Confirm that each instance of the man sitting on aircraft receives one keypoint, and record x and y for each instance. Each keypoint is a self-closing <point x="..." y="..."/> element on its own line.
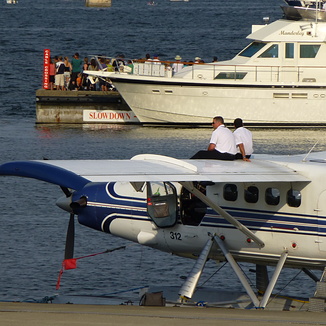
<point x="222" y="144"/>
<point x="243" y="140"/>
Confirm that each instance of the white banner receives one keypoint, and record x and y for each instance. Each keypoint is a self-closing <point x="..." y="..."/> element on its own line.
<point x="109" y="116"/>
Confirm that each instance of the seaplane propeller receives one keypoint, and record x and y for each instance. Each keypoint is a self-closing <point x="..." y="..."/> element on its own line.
<point x="70" y="238"/>
<point x="67" y="204"/>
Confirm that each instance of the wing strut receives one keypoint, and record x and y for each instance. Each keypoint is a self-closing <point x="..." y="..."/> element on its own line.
<point x="238" y="271"/>
<point x="274" y="279"/>
<point x="190" y="187"/>
<point x="188" y="288"/>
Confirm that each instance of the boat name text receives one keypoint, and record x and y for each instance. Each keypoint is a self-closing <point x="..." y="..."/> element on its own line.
<point x="296" y="33"/>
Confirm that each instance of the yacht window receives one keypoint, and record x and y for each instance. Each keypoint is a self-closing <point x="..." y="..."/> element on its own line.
<point x="308" y="51"/>
<point x="230" y="192"/>
<point x="231" y="75"/>
<point x="289" y="50"/>
<point x="252" y="49"/>
<point x="251" y="194"/>
<point x="293" y="198"/>
<point x="271" y="52"/>
<point x="272" y="196"/>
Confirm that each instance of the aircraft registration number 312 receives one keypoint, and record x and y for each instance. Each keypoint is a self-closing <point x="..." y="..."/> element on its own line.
<point x="175" y="236"/>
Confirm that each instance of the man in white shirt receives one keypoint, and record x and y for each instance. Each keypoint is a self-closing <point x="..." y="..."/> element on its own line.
<point x="243" y="140"/>
<point x="222" y="144"/>
<point x="177" y="66"/>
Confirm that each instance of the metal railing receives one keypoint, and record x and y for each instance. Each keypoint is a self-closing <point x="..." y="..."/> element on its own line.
<point x="217" y="71"/>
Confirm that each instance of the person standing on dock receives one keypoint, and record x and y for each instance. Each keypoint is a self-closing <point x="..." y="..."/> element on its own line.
<point x="52" y="73"/>
<point x="67" y="72"/>
<point x="59" y="75"/>
<point x="76" y="64"/>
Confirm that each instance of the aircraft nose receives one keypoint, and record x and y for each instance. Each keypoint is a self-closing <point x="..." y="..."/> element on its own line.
<point x="64" y="203"/>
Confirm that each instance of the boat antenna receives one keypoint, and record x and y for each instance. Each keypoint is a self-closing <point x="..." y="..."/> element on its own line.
<point x="305" y="158"/>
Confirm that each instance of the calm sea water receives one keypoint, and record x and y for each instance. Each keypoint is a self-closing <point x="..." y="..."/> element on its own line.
<point x="32" y="232"/>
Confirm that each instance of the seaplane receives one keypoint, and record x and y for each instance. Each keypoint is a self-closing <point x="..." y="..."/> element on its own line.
<point x="269" y="212"/>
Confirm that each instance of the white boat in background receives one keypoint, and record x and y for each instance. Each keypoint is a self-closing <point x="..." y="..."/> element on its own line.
<point x="306" y="3"/>
<point x="279" y="79"/>
<point x="12" y="1"/>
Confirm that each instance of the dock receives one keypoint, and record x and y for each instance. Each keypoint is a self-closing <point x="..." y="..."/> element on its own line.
<point x="60" y="107"/>
<point x="30" y="314"/>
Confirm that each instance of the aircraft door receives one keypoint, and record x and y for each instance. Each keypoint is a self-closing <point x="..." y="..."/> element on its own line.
<point x="162" y="203"/>
<point x="321" y="206"/>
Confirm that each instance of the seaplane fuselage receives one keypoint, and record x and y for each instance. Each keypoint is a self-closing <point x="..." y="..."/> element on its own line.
<point x="286" y="215"/>
<point x="270" y="211"/>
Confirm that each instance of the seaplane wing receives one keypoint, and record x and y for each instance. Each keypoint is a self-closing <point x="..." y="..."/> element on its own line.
<point x="149" y="167"/>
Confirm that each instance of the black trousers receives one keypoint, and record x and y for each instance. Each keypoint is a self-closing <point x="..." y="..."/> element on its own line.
<point x="213" y="155"/>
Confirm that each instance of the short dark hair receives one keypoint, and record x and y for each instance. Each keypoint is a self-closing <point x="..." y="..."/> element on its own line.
<point x="219" y="119"/>
<point x="238" y="122"/>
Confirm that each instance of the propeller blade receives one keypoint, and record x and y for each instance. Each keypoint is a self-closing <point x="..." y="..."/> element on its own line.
<point x="70" y="238"/>
<point x="66" y="191"/>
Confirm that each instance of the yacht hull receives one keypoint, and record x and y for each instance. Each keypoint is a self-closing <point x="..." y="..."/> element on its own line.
<point x="181" y="102"/>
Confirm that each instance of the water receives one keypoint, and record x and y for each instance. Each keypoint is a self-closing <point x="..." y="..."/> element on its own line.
<point x="32" y="232"/>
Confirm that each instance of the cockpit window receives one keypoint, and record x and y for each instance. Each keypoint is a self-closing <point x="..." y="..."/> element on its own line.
<point x="252" y="49"/>
<point x="308" y="50"/>
<point x="271" y="52"/>
<point x="162" y="203"/>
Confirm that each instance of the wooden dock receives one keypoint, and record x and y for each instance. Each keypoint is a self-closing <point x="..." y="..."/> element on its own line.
<point x="82" y="107"/>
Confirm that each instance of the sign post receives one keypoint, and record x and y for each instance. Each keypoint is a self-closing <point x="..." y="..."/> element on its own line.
<point x="46" y="68"/>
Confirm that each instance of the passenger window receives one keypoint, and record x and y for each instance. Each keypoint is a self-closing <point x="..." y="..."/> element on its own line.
<point x="231" y="75"/>
<point x="289" y="50"/>
<point x="252" y="49"/>
<point x="308" y="51"/>
<point x="271" y="52"/>
<point x="272" y="196"/>
<point x="293" y="198"/>
<point x="251" y="194"/>
<point x="230" y="192"/>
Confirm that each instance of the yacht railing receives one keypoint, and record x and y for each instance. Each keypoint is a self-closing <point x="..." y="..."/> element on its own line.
<point x="217" y="71"/>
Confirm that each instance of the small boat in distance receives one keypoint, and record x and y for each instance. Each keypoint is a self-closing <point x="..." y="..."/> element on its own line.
<point x="151" y="3"/>
<point x="12" y="1"/>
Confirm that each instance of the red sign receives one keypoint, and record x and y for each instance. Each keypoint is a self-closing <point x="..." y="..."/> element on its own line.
<point x="46" y="68"/>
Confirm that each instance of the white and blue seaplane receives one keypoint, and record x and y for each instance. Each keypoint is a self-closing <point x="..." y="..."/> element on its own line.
<point x="270" y="211"/>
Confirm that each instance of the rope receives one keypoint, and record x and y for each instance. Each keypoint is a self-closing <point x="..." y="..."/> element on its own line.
<point x="72" y="262"/>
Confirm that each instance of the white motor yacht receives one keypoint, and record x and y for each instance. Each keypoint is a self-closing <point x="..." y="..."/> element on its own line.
<point x="279" y="79"/>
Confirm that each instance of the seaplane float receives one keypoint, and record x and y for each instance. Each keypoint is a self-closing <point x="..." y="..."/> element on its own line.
<point x="278" y="79"/>
<point x="270" y="211"/>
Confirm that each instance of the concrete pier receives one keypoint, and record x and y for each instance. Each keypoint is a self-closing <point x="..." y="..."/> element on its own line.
<point x="98" y="3"/>
<point x="82" y="107"/>
<point x="31" y="314"/>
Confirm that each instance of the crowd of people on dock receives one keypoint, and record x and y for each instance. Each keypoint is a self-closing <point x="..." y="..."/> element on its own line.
<point x="68" y="74"/>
